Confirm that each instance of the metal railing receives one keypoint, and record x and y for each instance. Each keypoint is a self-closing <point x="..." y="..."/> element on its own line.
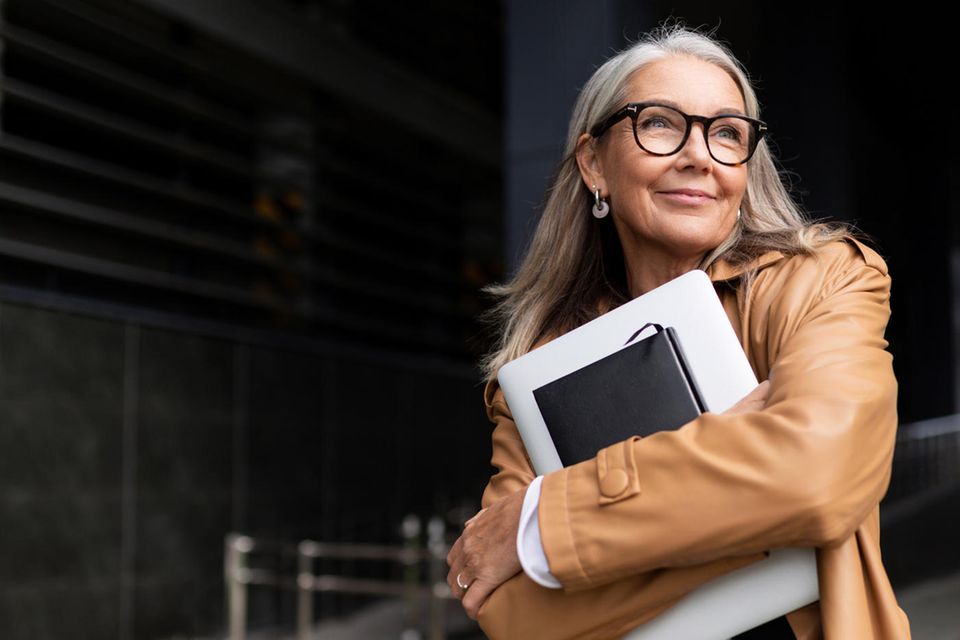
<point x="926" y="459"/>
<point x="413" y="588"/>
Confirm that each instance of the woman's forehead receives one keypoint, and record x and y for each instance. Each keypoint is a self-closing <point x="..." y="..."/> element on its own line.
<point x="688" y="83"/>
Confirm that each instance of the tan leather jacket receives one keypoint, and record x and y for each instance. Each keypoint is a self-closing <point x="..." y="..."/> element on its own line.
<point x="649" y="519"/>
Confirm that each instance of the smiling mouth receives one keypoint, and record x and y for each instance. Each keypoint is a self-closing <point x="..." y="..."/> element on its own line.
<point x="685" y="198"/>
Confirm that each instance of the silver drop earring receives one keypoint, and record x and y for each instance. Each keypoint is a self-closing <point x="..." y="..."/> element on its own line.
<point x="600" y="207"/>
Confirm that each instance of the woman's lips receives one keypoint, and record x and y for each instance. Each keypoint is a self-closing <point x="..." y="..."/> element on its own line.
<point x="685" y="198"/>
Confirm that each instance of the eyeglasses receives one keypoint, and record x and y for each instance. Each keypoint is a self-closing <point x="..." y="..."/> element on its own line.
<point x="662" y="131"/>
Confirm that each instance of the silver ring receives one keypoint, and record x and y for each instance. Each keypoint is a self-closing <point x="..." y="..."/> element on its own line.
<point x="461" y="585"/>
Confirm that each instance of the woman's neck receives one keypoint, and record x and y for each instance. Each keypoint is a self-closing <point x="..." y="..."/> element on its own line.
<point x="649" y="270"/>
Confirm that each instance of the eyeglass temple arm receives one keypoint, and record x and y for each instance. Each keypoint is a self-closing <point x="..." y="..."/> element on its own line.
<point x="601" y="128"/>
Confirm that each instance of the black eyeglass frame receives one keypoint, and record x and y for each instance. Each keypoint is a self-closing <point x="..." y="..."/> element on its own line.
<point x="632" y="110"/>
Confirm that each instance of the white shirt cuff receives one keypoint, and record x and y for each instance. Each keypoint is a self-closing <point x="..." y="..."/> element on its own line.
<point x="529" y="546"/>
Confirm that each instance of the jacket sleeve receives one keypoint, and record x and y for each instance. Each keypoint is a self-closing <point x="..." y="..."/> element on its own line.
<point x="805" y="471"/>
<point x="514" y="470"/>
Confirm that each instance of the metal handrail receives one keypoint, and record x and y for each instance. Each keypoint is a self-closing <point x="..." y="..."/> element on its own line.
<point x="239" y="576"/>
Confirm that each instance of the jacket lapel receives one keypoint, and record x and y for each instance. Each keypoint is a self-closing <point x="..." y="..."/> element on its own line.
<point x="722" y="270"/>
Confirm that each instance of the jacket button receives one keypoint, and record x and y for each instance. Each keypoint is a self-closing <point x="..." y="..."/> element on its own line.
<point x="614" y="483"/>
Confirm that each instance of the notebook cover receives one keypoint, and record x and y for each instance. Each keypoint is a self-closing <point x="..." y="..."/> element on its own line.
<point x="638" y="390"/>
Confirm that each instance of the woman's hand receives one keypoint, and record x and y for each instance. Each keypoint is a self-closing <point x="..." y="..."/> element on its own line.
<point x="753" y="401"/>
<point x="485" y="554"/>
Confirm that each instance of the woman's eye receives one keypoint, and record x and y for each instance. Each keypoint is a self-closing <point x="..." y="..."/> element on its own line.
<point x="728" y="132"/>
<point x="654" y="123"/>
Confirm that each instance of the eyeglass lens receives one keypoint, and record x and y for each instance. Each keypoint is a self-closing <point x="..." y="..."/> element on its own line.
<point x="661" y="130"/>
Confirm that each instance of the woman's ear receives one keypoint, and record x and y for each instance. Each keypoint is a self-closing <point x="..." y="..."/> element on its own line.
<point x="588" y="161"/>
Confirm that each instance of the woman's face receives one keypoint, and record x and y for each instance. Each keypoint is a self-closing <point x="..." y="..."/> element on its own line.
<point x="648" y="217"/>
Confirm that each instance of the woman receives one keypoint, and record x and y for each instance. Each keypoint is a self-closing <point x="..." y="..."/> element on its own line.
<point x="802" y="461"/>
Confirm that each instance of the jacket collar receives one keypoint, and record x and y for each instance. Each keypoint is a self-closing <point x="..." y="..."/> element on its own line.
<point x="721" y="269"/>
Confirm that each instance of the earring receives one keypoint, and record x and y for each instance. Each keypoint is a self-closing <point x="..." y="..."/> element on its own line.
<point x="738" y="215"/>
<point x="600" y="207"/>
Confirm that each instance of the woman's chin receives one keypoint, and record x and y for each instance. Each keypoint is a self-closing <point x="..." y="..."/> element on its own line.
<point x="693" y="239"/>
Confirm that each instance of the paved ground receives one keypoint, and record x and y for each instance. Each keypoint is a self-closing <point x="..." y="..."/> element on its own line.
<point x="382" y="621"/>
<point x="933" y="608"/>
<point x="386" y="620"/>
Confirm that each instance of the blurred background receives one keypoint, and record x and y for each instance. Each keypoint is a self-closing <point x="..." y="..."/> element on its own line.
<point x="241" y="250"/>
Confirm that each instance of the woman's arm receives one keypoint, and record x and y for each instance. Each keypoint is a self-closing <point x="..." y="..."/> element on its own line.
<point x="514" y="470"/>
<point x="803" y="472"/>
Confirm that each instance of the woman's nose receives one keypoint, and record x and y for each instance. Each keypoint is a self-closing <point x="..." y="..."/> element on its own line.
<point x="695" y="150"/>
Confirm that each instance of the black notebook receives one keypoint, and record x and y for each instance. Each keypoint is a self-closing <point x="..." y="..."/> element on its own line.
<point x="638" y="390"/>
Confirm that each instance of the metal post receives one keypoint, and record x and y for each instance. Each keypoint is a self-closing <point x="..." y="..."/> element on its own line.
<point x="439" y="590"/>
<point x="306" y="551"/>
<point x="235" y="574"/>
<point x="410" y="530"/>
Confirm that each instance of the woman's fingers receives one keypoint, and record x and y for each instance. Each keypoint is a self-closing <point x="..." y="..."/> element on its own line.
<point x="459" y="581"/>
<point x="485" y="554"/>
<point x="455" y="551"/>
<point x="457" y="577"/>
<point x="455" y="561"/>
<point x="476" y="595"/>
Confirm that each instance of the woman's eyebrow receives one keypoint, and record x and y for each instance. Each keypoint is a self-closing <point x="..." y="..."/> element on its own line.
<point x="671" y="103"/>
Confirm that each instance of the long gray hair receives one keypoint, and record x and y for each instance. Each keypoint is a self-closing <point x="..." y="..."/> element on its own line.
<point x="574" y="267"/>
